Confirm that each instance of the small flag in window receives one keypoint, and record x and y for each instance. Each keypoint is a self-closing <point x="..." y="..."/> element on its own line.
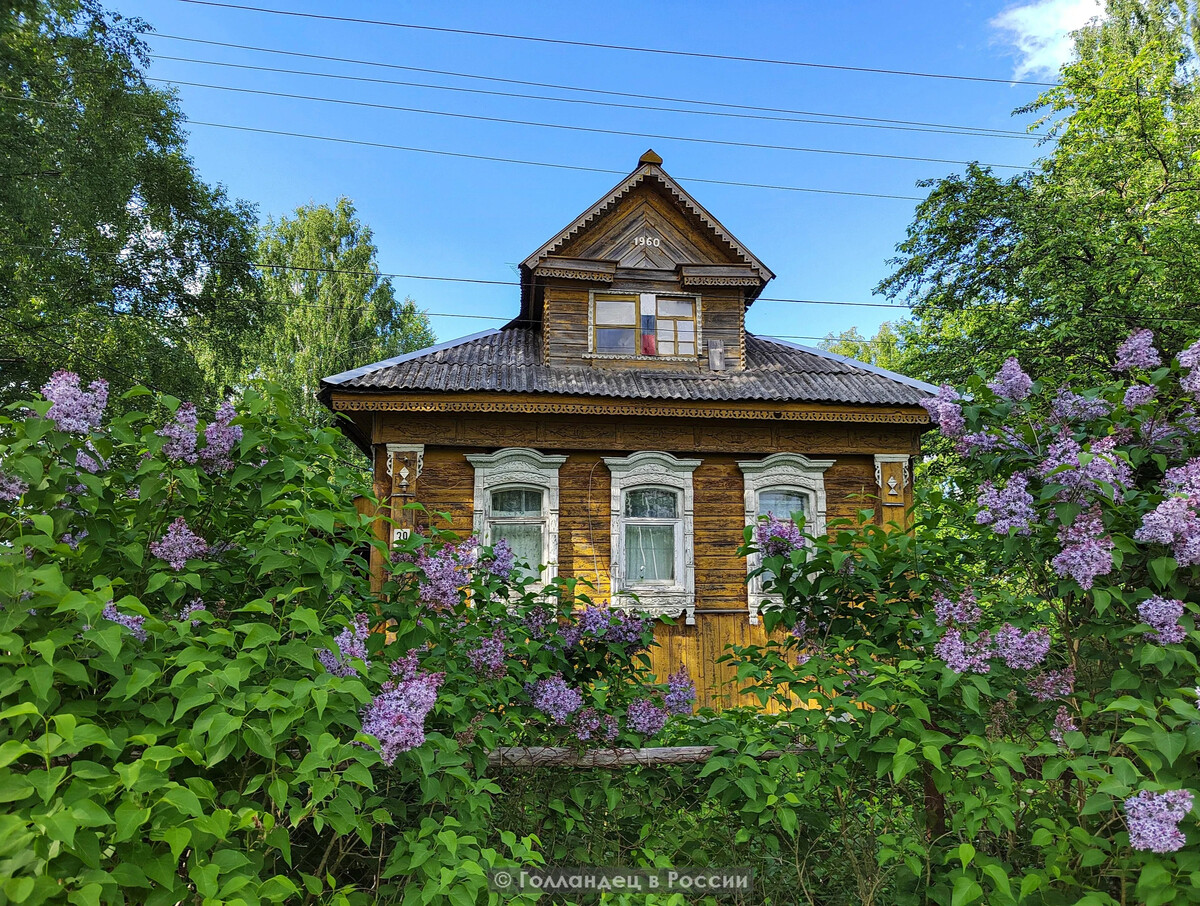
<point x="649" y="342"/>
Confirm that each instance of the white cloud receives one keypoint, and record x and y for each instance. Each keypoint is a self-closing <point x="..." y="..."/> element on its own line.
<point x="1040" y="33"/>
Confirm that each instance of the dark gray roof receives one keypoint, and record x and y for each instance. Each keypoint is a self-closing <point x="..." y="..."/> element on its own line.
<point x="509" y="361"/>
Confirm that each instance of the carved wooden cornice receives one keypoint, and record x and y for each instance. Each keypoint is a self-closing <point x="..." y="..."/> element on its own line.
<point x="577" y="269"/>
<point x="351" y="404"/>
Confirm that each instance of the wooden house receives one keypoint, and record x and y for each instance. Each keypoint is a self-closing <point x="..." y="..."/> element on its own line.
<point x="625" y="427"/>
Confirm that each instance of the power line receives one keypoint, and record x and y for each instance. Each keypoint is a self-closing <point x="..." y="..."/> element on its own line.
<point x="808" y="118"/>
<point x="494" y="159"/>
<point x="534" y="163"/>
<point x="595" y="130"/>
<point x="625" y="47"/>
<point x="604" y="91"/>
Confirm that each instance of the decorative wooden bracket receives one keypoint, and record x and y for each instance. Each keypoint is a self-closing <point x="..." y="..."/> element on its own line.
<point x="892" y="476"/>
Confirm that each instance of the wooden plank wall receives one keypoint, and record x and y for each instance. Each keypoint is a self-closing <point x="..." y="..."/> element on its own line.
<point x="447" y="486"/>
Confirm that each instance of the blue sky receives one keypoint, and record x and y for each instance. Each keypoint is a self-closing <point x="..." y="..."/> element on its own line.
<point x="455" y="217"/>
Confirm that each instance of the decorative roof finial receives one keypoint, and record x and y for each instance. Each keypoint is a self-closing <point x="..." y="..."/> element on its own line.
<point x="650" y="158"/>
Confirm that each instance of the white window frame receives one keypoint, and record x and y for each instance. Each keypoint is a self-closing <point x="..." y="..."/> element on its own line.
<point x="781" y="472"/>
<point x="652" y="469"/>
<point x="519" y="467"/>
<point x="643" y="300"/>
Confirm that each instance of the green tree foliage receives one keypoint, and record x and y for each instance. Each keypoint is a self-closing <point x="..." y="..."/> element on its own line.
<point x="884" y="349"/>
<point x="328" y="308"/>
<point x="1058" y="264"/>
<point x="115" y="258"/>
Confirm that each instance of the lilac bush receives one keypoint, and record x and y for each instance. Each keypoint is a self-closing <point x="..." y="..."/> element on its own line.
<point x="1030" y="644"/>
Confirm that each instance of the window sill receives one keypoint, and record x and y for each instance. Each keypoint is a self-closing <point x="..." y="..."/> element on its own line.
<point x="622" y="357"/>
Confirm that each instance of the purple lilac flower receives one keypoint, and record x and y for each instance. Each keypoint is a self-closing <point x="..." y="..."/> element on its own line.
<point x="85" y="461"/>
<point x="1063" y="724"/>
<point x="591" y="724"/>
<point x="681" y="692"/>
<point x="1153" y="820"/>
<point x="11" y="487"/>
<point x="351" y="642"/>
<point x="445" y="573"/>
<point x="490" y="657"/>
<point x="593" y="620"/>
<point x="1190" y="382"/>
<point x="75" y="410"/>
<point x="180" y="433"/>
<point x="963" y="612"/>
<point x="536" y="620"/>
<point x="502" y="562"/>
<point x="179" y="545"/>
<point x="1162" y="615"/>
<point x="1010" y="509"/>
<point x="396" y="716"/>
<point x="1104" y="471"/>
<point x="777" y="537"/>
<point x="1021" y="650"/>
<point x="1010" y="381"/>
<point x="1087" y="551"/>
<point x="554" y="698"/>
<point x="1185" y="479"/>
<point x="195" y="606"/>
<point x="962" y="656"/>
<point x="73" y="541"/>
<point x="645" y="717"/>
<point x="1052" y="684"/>
<point x="220" y="437"/>
<point x="133" y="623"/>
<point x="1190" y="357"/>
<point x="979" y="442"/>
<point x="627" y="628"/>
<point x="1138" y="352"/>
<point x="1173" y="522"/>
<point x="1139" y="395"/>
<point x="945" y="412"/>
<point x="1070" y="406"/>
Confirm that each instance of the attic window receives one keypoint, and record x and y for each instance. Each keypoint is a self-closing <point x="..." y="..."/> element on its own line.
<point x="645" y="324"/>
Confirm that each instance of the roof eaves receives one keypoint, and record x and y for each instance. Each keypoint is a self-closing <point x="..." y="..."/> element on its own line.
<point x="855" y="363"/>
<point x="406" y="357"/>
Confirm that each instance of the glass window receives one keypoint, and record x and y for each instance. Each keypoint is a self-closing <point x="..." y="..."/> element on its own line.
<point x="651" y="534"/>
<point x="781" y="503"/>
<point x="644" y="325"/>
<point x="517" y="517"/>
<point x="652" y="503"/>
<point x="650" y="553"/>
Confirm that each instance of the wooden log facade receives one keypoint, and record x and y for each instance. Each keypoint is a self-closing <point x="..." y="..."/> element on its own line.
<point x="695" y="414"/>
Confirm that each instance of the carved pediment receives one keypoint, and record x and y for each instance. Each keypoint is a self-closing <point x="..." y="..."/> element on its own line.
<point x="648" y="221"/>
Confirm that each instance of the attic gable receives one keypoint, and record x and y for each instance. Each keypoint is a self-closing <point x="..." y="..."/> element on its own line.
<point x="648" y="221"/>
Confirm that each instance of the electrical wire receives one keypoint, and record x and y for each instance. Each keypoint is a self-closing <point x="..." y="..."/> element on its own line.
<point x="595" y="130"/>
<point x="558" y="87"/>
<point x="492" y="159"/>
<point x="932" y="129"/>
<point x="624" y="47"/>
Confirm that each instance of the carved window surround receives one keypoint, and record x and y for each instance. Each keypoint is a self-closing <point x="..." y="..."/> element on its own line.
<point x="655" y="470"/>
<point x="781" y="472"/>
<point x="892" y="474"/>
<point x="519" y="467"/>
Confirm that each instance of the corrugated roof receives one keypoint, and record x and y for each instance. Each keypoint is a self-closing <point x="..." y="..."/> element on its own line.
<point x="509" y="361"/>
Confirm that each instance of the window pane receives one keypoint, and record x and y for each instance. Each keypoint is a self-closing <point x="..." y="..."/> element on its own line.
<point x="650" y="553"/>
<point x="525" y="541"/>
<point x="623" y="313"/>
<point x="615" y="339"/>
<point x="675" y="308"/>
<point x="687" y="349"/>
<point x="517" y="502"/>
<point x="781" y="503"/>
<point x="651" y="503"/>
<point x="687" y="330"/>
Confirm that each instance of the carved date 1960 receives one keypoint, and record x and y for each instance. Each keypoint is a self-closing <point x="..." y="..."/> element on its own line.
<point x="652" y="241"/>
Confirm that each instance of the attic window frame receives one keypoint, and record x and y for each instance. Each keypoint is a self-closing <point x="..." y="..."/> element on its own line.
<point x="637" y="354"/>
